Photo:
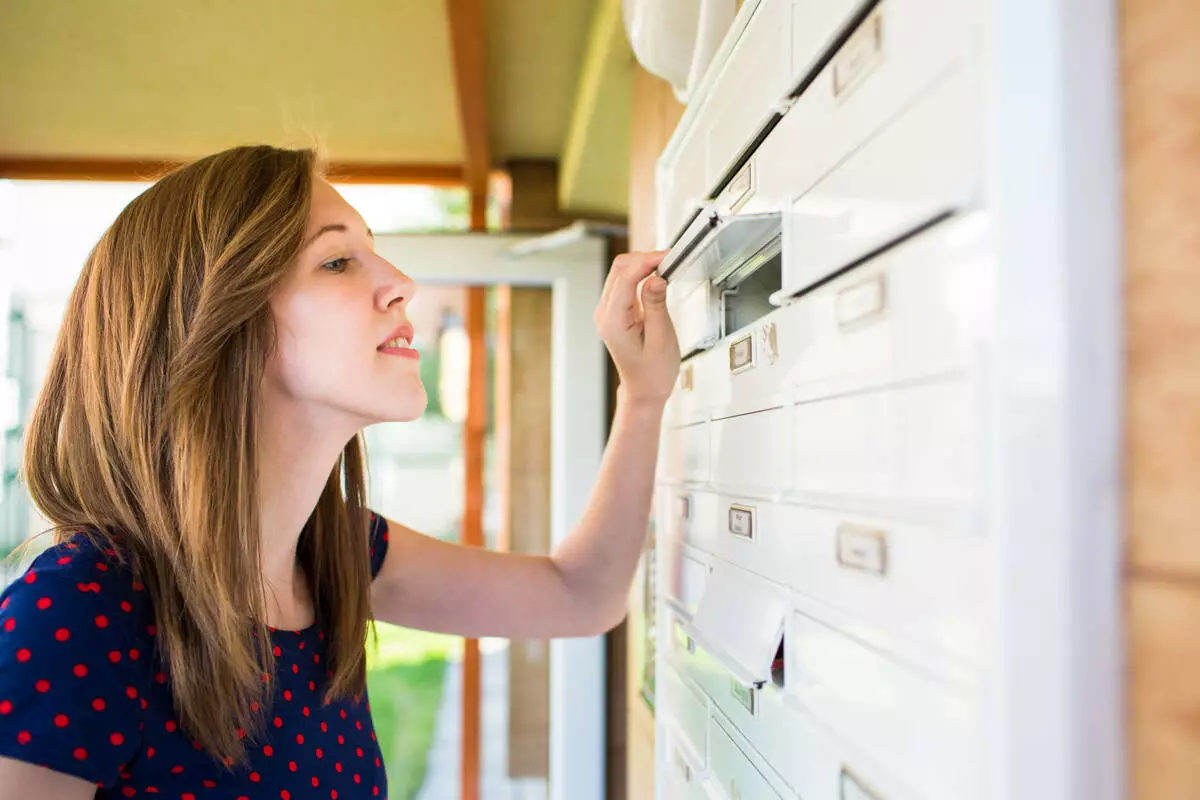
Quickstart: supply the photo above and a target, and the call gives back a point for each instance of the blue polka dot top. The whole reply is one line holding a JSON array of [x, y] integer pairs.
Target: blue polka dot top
[[81, 693]]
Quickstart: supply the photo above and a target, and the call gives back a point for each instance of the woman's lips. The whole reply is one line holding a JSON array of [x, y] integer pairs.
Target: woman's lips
[[402, 352]]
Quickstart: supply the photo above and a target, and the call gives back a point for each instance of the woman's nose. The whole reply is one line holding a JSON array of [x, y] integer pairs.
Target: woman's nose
[[399, 289]]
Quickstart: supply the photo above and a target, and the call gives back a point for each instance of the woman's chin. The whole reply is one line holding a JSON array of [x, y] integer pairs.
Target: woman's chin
[[409, 409], [396, 403]]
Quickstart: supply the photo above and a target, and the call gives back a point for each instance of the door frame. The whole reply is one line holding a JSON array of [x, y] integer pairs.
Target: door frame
[[573, 267]]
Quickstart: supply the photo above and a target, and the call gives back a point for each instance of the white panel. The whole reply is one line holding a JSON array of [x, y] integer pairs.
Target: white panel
[[925, 733], [746, 81], [683, 778], [685, 710], [697, 390], [732, 771], [920, 309], [912, 446], [683, 187], [807, 757], [692, 516], [685, 453], [922, 165], [785, 735], [814, 25], [763, 382], [921, 39], [903, 586], [749, 452], [694, 311], [684, 573], [1056, 422], [752, 85]]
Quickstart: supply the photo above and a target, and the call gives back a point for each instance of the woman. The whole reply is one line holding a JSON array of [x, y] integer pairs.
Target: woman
[[199, 624]]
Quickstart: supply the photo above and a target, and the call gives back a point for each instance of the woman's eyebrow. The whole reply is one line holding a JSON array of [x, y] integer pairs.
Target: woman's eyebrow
[[334, 226]]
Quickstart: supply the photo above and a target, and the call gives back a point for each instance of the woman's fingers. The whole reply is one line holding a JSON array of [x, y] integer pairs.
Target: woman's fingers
[[632, 319], [618, 308], [657, 325]]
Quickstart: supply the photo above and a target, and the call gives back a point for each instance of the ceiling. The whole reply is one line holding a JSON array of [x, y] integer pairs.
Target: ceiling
[[372, 80]]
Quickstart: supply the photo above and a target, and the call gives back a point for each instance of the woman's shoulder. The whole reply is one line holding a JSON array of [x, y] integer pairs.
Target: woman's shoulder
[[76, 661], [81, 580]]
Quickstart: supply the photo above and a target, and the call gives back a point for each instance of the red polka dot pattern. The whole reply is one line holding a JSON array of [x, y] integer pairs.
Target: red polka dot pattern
[[83, 692]]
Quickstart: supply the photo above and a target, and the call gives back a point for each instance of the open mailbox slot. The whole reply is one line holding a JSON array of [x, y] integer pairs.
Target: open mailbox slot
[[740, 622], [721, 273]]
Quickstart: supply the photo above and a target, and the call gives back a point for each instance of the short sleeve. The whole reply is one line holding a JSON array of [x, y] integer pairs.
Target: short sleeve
[[378, 543], [72, 676]]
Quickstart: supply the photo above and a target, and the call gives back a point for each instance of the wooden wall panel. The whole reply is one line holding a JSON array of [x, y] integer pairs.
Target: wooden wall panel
[[523, 392], [656, 112], [1161, 101], [529, 312], [1164, 689], [1160, 96]]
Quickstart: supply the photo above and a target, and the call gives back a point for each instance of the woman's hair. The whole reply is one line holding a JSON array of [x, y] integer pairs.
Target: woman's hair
[[144, 434]]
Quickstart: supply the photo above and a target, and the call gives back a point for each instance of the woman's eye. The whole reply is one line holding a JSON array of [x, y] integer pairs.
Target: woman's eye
[[337, 265]]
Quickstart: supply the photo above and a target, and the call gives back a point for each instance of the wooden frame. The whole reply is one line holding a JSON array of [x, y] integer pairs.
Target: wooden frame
[[466, 20], [146, 169]]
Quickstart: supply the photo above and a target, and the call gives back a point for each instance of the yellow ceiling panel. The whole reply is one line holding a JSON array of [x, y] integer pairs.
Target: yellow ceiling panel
[[534, 52], [594, 169], [371, 79]]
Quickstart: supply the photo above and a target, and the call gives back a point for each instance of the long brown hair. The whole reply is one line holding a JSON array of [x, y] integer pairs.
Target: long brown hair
[[145, 430]]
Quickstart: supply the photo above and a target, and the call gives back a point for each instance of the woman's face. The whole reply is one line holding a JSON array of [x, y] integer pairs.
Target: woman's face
[[338, 315]]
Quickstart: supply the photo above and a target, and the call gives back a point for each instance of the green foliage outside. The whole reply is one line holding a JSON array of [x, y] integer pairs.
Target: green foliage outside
[[404, 682]]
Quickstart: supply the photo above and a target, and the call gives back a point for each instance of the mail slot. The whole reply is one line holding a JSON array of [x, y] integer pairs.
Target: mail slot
[[741, 521], [862, 548]]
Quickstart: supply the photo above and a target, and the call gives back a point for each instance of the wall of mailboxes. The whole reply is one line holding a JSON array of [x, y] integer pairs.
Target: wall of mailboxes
[[820, 576]]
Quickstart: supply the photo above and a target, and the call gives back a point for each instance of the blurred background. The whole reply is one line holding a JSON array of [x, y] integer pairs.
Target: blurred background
[[420, 107], [506, 117]]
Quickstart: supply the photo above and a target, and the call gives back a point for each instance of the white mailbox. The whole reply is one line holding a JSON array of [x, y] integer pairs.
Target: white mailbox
[[892, 268]]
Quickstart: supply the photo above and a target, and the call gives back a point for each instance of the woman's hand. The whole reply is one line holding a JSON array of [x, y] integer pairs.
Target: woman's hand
[[582, 588], [631, 318]]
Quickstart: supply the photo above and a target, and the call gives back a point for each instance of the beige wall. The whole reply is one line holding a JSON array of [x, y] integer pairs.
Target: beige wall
[[1160, 75]]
